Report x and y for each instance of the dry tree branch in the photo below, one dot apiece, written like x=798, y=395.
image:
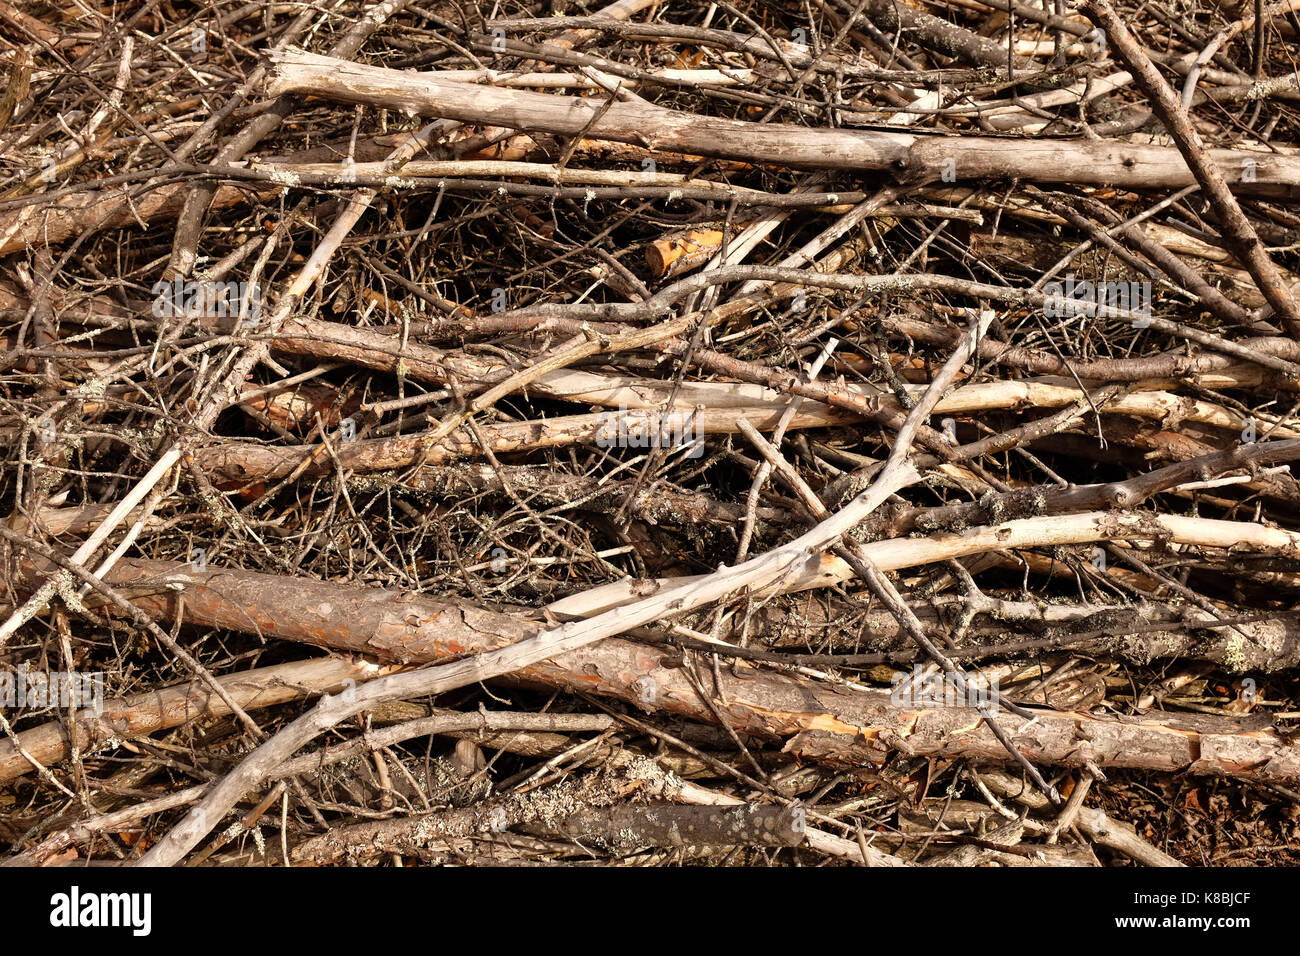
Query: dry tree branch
x=914, y=158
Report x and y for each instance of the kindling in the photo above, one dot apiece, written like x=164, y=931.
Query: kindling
x=75, y=909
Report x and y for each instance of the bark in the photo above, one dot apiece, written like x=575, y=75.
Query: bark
x=833, y=724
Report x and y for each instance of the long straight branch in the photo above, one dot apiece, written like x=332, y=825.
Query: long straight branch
x=913, y=158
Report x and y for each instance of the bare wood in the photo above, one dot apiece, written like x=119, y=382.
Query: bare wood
x=912, y=158
x=825, y=570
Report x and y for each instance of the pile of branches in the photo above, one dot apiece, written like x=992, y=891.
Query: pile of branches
x=659, y=432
